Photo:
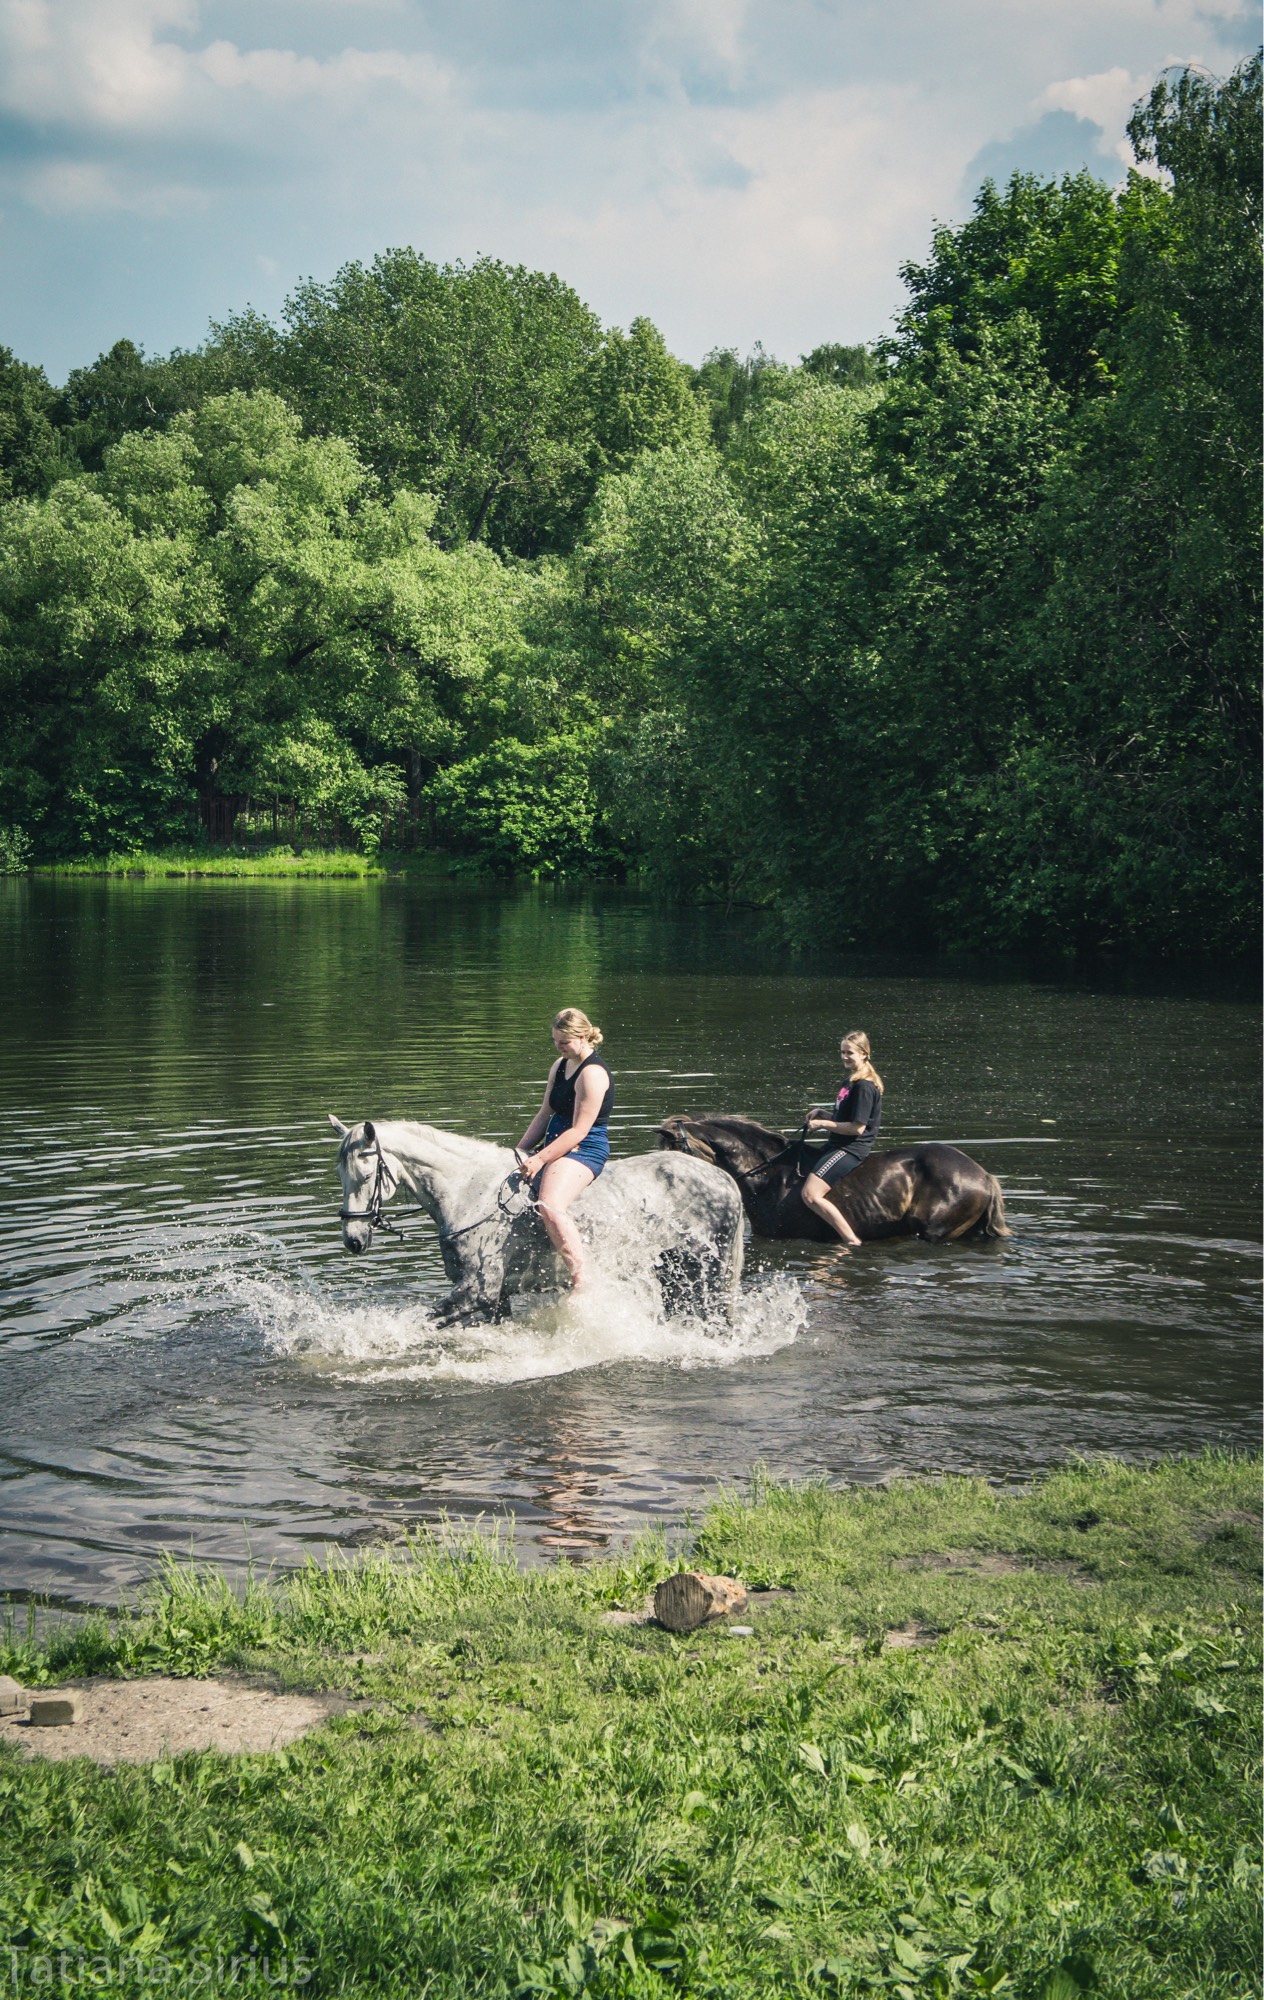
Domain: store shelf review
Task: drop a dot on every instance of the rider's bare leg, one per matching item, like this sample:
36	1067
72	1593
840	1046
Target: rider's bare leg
815	1193
560	1183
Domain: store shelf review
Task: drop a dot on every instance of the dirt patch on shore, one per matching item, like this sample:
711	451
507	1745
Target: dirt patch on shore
981	1562
134	1722
903	1638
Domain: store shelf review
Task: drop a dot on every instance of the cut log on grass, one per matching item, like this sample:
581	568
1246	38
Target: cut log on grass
690	1599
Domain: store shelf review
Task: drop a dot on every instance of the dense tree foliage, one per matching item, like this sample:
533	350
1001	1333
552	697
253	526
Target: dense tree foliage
990	675
32	452
732	389
227	606
1047	249
954	639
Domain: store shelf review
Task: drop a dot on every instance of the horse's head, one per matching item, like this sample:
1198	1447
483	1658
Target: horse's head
684	1135
734	1144
369	1177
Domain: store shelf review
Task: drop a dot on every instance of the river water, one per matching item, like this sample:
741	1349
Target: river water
192	1362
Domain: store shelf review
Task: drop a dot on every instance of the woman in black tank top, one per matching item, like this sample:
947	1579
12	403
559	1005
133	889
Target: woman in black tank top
567	1143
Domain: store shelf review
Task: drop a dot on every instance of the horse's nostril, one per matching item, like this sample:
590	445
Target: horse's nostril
354	1243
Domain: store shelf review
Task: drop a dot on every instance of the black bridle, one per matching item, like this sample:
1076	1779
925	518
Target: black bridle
373	1214
510	1190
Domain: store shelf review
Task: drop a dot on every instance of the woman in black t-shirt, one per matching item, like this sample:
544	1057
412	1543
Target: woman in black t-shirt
853	1119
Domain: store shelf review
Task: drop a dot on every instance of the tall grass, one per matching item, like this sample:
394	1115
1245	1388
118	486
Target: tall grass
234	863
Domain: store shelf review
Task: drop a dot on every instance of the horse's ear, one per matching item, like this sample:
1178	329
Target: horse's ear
370	1132
338	1126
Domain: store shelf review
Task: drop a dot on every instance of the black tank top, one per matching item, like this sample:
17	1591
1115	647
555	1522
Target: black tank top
562	1091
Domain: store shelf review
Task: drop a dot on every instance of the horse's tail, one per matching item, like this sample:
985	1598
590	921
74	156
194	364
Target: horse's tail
992	1222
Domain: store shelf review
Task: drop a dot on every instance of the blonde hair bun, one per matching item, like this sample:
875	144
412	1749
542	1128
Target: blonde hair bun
574	1021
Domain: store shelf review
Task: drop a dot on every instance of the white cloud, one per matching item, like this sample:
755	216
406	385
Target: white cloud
737	169
282	74
1106	98
83	187
706	32
99	58
103	64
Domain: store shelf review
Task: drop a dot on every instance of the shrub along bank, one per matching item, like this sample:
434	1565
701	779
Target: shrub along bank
978	1743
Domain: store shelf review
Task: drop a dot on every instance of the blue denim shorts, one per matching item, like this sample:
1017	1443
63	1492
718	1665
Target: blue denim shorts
592	1151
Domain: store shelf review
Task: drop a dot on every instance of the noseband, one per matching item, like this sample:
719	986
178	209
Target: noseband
373	1214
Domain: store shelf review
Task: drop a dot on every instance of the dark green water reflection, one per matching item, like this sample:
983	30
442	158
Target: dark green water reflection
190	1358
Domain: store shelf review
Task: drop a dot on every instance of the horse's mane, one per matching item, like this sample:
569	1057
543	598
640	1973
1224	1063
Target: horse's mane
426	1144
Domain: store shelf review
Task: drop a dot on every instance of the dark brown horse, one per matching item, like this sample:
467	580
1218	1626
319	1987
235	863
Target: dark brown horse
932	1191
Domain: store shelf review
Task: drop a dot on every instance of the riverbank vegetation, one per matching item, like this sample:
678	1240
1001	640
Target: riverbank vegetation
269	863
977	1742
955	637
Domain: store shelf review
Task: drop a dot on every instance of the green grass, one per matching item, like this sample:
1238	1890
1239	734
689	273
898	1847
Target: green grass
1056	1795
230	862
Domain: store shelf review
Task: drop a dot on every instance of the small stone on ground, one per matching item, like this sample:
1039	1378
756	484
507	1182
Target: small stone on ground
54	1711
14	1699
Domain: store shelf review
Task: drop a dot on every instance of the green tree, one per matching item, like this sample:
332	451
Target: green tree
663	549
987	673
125	390
870	680
534	808
1135	809
642	399
30	450
228	606
846	367
730	388
469	382
1047	249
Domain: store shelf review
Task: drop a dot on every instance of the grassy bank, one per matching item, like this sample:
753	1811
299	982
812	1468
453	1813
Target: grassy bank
230	862
978	1743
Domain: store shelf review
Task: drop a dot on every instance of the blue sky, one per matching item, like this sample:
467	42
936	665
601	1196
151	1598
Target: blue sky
740	170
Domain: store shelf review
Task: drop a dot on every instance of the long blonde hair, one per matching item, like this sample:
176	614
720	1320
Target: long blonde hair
859	1040
573	1021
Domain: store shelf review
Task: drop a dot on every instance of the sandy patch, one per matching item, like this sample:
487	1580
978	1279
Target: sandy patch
901	1637
132	1722
981	1562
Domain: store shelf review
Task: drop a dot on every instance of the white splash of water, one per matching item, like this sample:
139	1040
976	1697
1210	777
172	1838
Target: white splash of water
607	1322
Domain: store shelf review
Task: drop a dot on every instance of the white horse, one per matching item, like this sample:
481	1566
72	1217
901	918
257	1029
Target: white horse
663	1216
